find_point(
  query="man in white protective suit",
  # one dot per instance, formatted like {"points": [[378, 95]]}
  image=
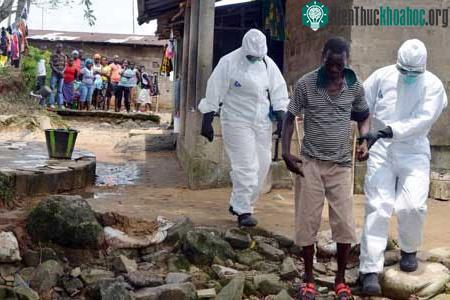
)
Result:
{"points": [[405, 100], [251, 93]]}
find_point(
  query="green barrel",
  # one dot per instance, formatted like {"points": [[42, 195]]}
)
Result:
{"points": [[60, 142]]}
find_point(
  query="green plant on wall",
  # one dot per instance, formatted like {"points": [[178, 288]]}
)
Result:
{"points": [[29, 65]]}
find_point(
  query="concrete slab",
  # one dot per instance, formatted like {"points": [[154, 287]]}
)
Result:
{"points": [[110, 114], [26, 170]]}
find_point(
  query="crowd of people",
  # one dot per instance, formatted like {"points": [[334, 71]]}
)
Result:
{"points": [[395, 109], [13, 43], [85, 83]]}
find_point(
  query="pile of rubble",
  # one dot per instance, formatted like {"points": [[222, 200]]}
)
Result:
{"points": [[74, 253]]}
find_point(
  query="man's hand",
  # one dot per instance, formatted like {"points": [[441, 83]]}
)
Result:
{"points": [[371, 138], [207, 128], [292, 162], [362, 151], [280, 117]]}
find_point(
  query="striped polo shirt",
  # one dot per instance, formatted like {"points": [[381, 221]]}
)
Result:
{"points": [[327, 123]]}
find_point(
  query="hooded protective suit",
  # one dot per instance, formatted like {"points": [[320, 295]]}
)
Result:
{"points": [[241, 86], [398, 170]]}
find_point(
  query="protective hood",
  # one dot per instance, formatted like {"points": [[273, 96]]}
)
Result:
{"points": [[254, 43], [412, 56]]}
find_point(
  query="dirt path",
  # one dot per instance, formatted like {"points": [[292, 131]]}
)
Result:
{"points": [[146, 185]]}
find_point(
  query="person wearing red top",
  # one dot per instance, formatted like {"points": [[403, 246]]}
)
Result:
{"points": [[70, 74], [76, 60]]}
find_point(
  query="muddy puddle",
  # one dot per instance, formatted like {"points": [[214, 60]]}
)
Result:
{"points": [[110, 175]]}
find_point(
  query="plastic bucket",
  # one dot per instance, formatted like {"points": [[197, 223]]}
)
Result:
{"points": [[60, 142]]}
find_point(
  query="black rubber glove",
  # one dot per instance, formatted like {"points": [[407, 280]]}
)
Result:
{"points": [[207, 128], [279, 116], [372, 138]]}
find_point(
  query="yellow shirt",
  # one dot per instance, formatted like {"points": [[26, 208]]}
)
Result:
{"points": [[106, 70]]}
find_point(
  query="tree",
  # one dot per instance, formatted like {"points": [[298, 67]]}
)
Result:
{"points": [[6, 7]]}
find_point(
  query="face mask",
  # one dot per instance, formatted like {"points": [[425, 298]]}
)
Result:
{"points": [[253, 59], [409, 79]]}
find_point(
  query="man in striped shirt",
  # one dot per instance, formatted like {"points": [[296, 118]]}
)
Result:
{"points": [[328, 99]]}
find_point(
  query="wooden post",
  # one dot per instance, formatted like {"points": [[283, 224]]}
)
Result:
{"points": [[184, 69]]}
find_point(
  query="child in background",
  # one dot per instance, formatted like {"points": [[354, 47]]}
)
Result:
{"points": [[98, 85], [87, 85], [41, 72]]}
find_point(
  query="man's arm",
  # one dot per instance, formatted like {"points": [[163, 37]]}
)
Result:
{"points": [[425, 115], [291, 161]]}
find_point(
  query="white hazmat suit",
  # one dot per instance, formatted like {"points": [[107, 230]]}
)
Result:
{"points": [[241, 86], [398, 170]]}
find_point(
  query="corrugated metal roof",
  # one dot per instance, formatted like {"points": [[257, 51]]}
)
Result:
{"points": [[152, 9], [103, 38]]}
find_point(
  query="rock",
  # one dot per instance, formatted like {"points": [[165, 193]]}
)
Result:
{"points": [[66, 220], [332, 266], [283, 295], [22, 290], [284, 241], [428, 281], [199, 278], [75, 272], [320, 268], [391, 257], [440, 254], [266, 267], [176, 278], [71, 285], [143, 279], [122, 264], [158, 258], [322, 290], [206, 294], [46, 276], [201, 247], [224, 272], [178, 231], [178, 263], [9, 248], [270, 252], [107, 289], [352, 276], [90, 276], [288, 269], [248, 257], [296, 250], [327, 248], [327, 281], [241, 267], [238, 238], [392, 244], [183, 291], [266, 240], [442, 297], [27, 273], [278, 197], [234, 290], [117, 239], [268, 284], [31, 258], [44, 122]]}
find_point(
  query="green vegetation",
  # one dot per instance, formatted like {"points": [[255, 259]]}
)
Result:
{"points": [[6, 192], [29, 65]]}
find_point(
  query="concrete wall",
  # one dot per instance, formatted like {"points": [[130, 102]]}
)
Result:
{"points": [[375, 47], [372, 48], [150, 57]]}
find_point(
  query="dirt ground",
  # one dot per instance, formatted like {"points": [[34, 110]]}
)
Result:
{"points": [[146, 185]]}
